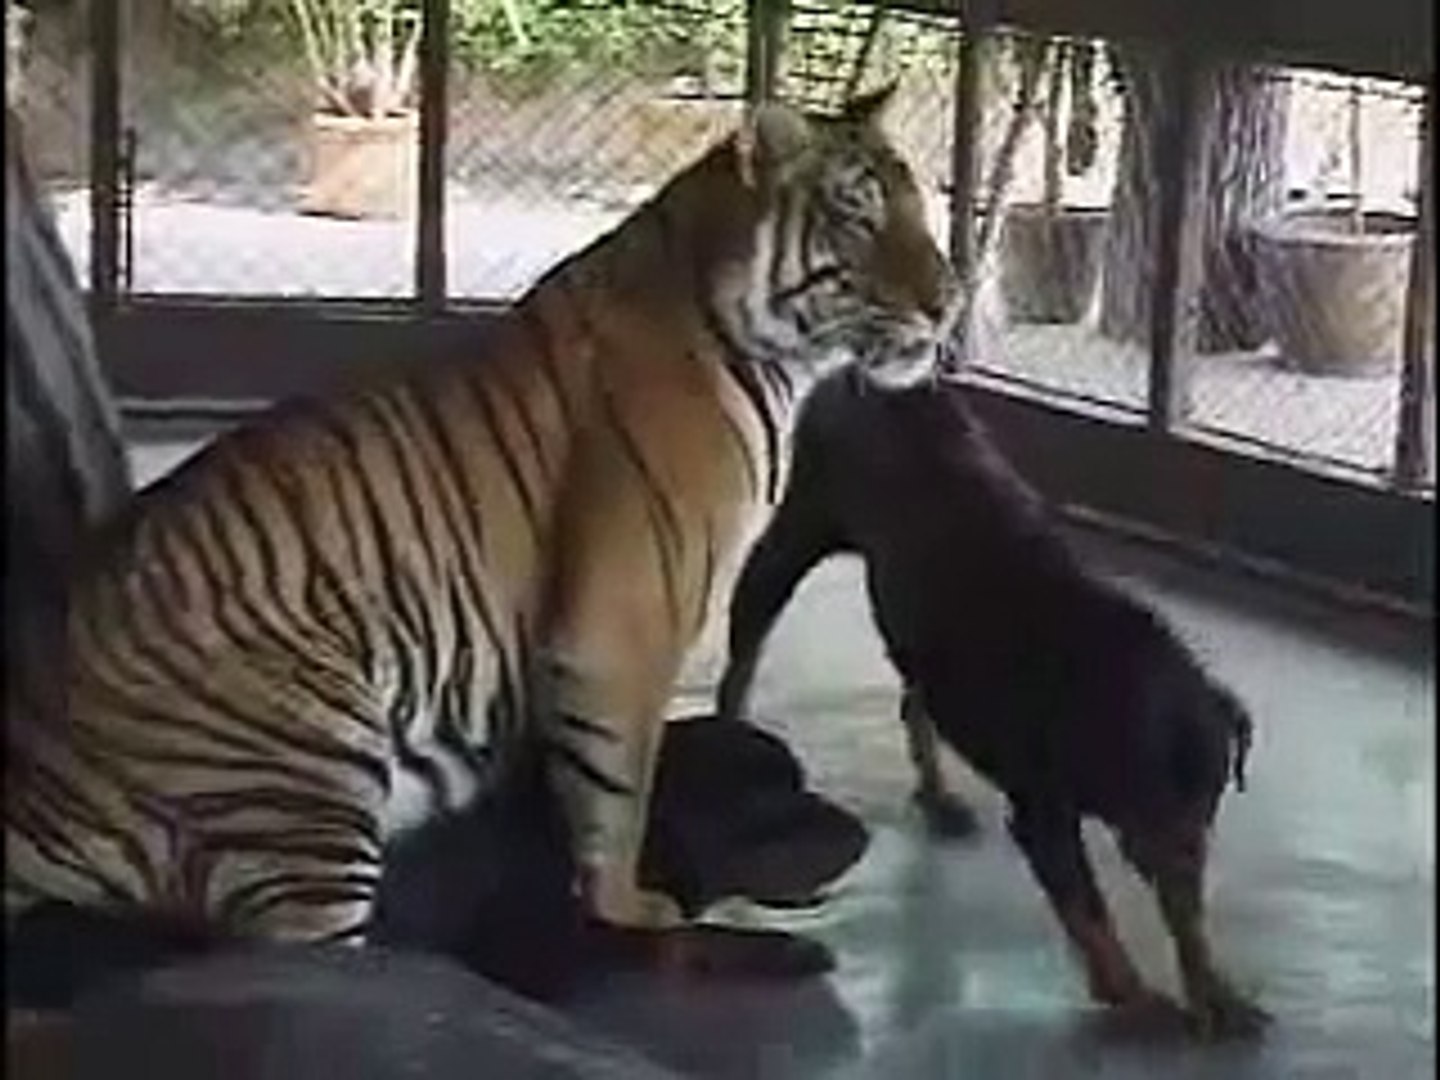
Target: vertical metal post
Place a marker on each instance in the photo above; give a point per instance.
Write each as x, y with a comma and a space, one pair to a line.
966, 119
105, 109
1415, 436
434, 122
125, 209
1181, 181
765, 22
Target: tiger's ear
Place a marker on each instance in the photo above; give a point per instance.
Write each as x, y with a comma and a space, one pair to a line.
871, 109
771, 138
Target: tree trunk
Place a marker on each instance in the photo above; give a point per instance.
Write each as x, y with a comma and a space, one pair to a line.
1244, 157
65, 463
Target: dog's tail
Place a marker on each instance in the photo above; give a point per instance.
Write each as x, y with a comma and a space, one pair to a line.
1241, 732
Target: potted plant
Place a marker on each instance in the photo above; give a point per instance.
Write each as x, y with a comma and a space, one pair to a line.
1050, 252
362, 55
1333, 279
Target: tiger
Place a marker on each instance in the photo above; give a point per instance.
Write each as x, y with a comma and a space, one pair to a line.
351, 617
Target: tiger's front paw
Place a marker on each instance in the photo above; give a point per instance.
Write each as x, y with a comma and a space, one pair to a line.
612, 897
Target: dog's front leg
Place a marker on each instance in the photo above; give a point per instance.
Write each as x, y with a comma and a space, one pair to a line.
947, 814
1173, 863
1055, 850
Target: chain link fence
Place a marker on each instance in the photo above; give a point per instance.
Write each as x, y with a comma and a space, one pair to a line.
245, 176
1305, 210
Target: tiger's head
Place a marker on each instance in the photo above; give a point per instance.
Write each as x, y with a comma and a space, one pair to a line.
843, 265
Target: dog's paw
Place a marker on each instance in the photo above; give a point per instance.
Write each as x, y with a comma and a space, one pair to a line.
1220, 1013
947, 816
1147, 1016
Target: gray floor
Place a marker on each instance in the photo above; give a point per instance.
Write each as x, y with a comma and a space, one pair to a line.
949, 963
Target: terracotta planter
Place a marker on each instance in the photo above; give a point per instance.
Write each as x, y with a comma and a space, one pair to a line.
362, 167
1050, 264
1335, 299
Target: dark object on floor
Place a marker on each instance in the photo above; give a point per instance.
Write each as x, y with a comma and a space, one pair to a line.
1071, 697
731, 817
363, 1014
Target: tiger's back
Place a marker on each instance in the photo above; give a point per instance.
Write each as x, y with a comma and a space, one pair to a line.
333, 626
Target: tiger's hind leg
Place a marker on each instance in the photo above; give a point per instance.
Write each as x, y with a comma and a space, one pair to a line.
296, 882
280, 835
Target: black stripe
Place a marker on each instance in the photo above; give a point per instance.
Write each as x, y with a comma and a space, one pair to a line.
451, 469
305, 671
584, 727
396, 439
284, 735
576, 763
520, 406
707, 572
745, 377
404, 712
315, 808
54, 847
286, 488
68, 801
535, 325
353, 934
811, 280
476, 387
665, 526
236, 899
779, 248
338, 851
319, 892
742, 445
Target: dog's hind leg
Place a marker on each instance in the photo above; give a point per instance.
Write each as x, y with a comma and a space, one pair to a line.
1173, 863
1055, 849
947, 815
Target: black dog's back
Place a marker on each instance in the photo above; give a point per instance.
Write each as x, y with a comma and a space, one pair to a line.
980, 599
1071, 697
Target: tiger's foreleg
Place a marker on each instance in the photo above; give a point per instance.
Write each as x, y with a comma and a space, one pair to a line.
609, 652
601, 737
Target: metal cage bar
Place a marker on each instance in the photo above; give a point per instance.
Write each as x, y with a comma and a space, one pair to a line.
105, 159
968, 118
1180, 179
1415, 434
765, 22
430, 258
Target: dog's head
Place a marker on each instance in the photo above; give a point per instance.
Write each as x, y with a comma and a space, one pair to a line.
731, 817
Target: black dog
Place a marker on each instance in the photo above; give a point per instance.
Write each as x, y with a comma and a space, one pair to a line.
730, 817
1072, 698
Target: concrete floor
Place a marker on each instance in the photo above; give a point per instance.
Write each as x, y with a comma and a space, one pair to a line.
949, 964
